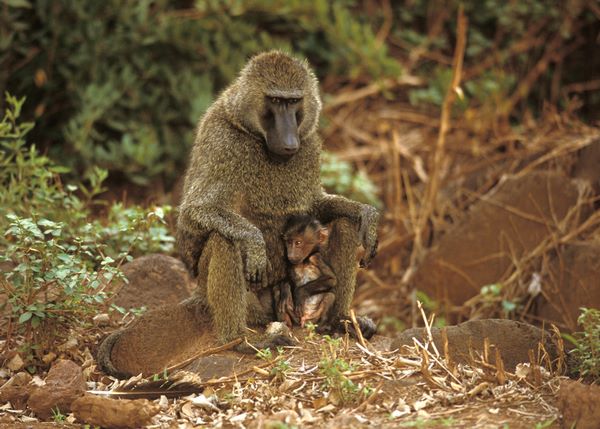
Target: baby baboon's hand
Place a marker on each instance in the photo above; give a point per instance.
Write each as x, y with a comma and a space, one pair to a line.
285, 306
369, 220
255, 264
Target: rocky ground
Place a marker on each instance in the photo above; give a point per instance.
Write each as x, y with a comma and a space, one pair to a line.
480, 374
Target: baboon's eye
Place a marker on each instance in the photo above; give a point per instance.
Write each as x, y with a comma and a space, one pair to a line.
298, 243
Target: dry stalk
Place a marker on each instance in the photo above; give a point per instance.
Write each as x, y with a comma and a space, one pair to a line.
361, 339
369, 399
203, 353
500, 373
428, 329
432, 189
348, 96
560, 349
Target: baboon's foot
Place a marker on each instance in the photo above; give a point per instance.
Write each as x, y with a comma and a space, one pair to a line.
367, 327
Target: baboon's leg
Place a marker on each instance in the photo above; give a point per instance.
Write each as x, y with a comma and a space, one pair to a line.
260, 311
341, 255
222, 284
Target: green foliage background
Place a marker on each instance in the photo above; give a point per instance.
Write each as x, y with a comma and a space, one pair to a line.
121, 84
58, 259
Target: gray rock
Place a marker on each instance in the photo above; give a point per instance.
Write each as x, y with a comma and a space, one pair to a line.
513, 339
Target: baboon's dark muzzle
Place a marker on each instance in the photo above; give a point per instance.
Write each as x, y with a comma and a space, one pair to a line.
282, 138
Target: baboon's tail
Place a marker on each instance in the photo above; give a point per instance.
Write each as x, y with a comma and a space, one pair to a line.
158, 339
104, 356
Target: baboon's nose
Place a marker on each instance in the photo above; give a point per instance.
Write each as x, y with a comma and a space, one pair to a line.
291, 145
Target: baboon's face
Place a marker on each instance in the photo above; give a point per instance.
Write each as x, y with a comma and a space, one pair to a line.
280, 120
299, 246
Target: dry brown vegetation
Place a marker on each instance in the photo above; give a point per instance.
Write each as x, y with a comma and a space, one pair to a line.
433, 166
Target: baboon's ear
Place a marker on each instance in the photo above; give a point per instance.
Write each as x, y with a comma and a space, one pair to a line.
323, 235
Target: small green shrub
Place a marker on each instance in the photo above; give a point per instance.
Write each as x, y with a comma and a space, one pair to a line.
31, 187
587, 344
59, 259
335, 370
54, 282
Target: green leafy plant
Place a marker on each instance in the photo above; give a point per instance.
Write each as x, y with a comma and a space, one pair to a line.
511, 30
264, 354
57, 416
311, 330
338, 176
121, 85
32, 187
432, 306
336, 369
164, 376
494, 294
280, 369
545, 423
135, 230
425, 423
586, 353
54, 282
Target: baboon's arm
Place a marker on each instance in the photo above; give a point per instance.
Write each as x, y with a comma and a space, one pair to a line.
321, 285
328, 275
331, 207
209, 209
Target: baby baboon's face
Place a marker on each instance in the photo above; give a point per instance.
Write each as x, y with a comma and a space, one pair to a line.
299, 246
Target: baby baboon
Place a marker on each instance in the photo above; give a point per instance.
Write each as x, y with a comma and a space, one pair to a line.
312, 278
254, 164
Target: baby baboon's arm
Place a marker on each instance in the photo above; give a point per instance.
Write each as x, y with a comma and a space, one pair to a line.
325, 283
283, 304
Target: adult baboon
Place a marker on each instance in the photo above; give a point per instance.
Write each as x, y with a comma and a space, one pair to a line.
255, 163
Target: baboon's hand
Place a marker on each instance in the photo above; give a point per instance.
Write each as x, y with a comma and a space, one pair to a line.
369, 219
255, 264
